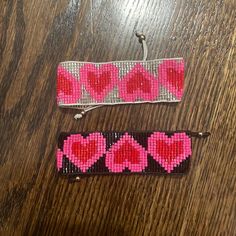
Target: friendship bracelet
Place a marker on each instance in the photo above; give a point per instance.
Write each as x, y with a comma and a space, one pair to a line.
158, 152
88, 85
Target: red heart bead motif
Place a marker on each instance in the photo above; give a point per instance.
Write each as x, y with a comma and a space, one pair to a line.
126, 152
84, 152
171, 76
169, 152
68, 87
137, 84
175, 78
138, 81
99, 81
64, 85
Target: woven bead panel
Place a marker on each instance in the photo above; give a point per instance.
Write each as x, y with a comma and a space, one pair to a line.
123, 152
85, 83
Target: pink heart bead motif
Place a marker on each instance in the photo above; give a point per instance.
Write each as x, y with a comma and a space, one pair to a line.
84, 152
138, 83
169, 152
126, 152
99, 81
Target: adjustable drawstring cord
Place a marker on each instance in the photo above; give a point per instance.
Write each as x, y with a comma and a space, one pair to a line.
142, 40
85, 110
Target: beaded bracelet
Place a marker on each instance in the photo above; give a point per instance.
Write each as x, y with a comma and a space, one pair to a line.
87, 85
158, 152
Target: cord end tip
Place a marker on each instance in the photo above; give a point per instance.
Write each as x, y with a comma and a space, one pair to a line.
204, 134
140, 36
199, 134
78, 116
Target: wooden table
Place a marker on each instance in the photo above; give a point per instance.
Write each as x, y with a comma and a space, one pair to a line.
35, 37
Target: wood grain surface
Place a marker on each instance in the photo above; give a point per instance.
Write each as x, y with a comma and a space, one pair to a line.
35, 36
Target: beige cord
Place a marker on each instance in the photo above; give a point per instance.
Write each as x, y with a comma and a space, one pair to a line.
142, 39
